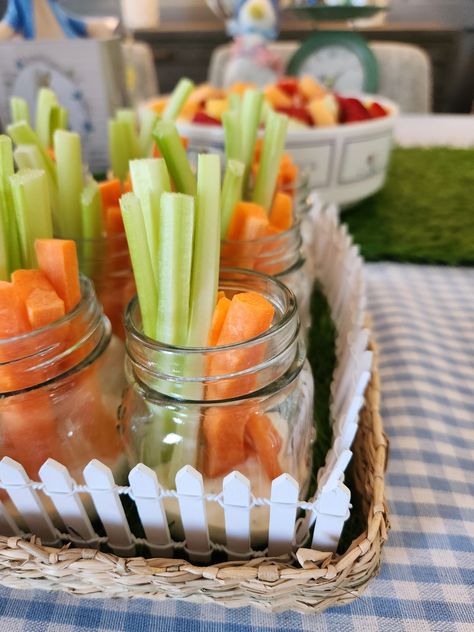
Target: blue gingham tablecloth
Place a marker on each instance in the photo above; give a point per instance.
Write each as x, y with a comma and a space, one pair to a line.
423, 319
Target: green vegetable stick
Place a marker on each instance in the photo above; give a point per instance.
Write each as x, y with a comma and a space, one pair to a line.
67, 148
178, 98
149, 180
129, 119
19, 110
232, 135
145, 138
22, 134
206, 250
45, 104
175, 254
235, 102
251, 113
141, 262
59, 119
203, 292
172, 150
118, 149
28, 157
11, 243
231, 192
4, 258
92, 228
273, 145
32, 210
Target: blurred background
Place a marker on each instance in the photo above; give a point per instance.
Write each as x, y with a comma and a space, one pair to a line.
188, 32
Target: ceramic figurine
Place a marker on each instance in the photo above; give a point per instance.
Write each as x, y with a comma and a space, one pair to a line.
46, 19
254, 25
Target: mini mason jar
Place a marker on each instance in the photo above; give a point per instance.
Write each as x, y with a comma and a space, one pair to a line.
106, 261
245, 407
280, 255
59, 392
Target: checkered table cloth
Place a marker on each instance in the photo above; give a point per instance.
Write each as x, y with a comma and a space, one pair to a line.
423, 319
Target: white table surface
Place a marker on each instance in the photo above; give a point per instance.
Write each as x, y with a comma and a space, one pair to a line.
455, 130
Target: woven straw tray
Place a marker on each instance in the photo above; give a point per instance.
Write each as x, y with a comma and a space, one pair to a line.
319, 580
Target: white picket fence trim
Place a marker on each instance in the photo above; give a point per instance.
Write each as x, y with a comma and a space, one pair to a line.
284, 521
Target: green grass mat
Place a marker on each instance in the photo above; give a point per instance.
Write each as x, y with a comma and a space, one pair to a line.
425, 212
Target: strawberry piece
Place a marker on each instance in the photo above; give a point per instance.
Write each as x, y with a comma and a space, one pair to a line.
288, 85
377, 111
300, 114
203, 119
352, 110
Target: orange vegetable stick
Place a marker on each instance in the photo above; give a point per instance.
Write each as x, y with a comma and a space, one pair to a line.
248, 315
13, 316
43, 305
248, 222
28, 423
58, 260
281, 213
113, 221
110, 191
265, 441
220, 312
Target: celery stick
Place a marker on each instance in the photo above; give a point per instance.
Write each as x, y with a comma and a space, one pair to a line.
232, 135
172, 150
145, 138
46, 102
32, 210
67, 148
206, 250
149, 180
22, 134
19, 110
141, 262
11, 245
249, 121
178, 98
231, 192
118, 149
266, 109
273, 145
59, 119
175, 254
204, 283
92, 228
28, 157
4, 258
235, 102
129, 119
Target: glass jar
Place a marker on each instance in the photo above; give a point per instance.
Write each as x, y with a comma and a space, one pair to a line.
245, 407
107, 262
60, 387
280, 255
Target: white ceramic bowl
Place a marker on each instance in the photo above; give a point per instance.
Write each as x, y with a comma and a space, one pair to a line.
344, 163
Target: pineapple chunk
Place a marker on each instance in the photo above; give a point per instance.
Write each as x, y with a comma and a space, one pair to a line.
276, 97
216, 108
310, 89
322, 113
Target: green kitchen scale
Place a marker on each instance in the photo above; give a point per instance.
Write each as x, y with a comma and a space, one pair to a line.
340, 60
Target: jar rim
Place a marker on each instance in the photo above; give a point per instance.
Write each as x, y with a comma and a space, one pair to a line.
87, 291
289, 313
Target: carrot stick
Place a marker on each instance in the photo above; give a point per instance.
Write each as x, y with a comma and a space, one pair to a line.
58, 260
218, 318
113, 221
249, 314
110, 191
265, 441
13, 316
281, 213
249, 221
43, 305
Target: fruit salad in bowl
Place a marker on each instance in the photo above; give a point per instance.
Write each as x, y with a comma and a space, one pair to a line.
340, 142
